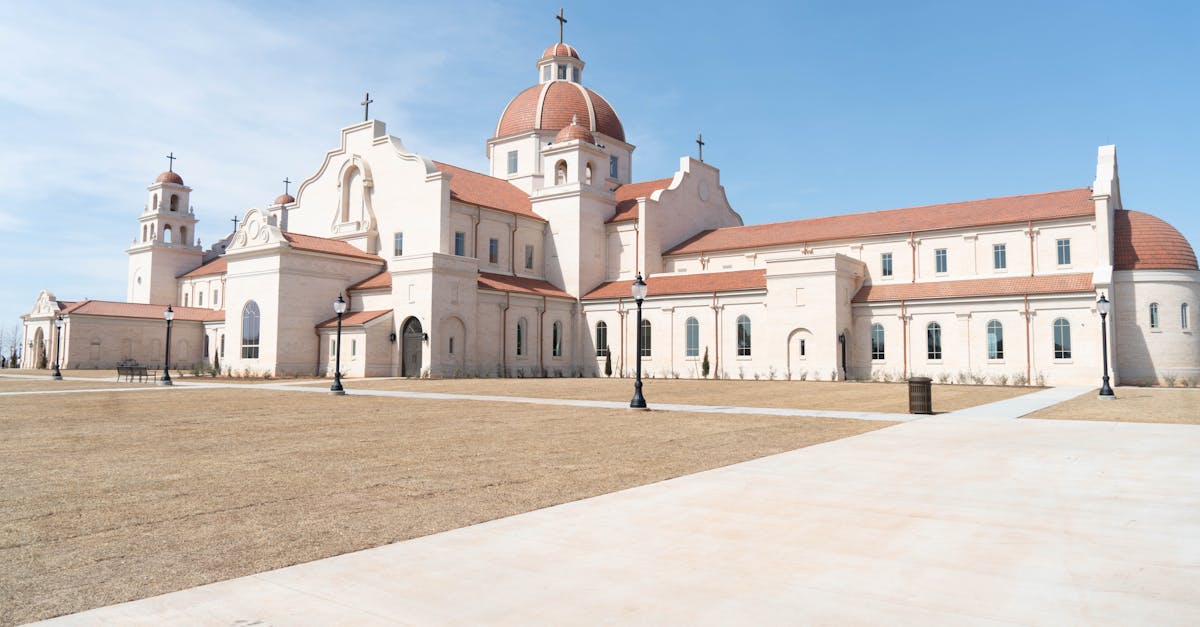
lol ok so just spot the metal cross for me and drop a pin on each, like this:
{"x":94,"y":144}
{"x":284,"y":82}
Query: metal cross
{"x":171,"y":161}
{"x":235,"y":221}
{"x":286,"y":182}
{"x":700,"y":143}
{"x":561,"y":21}
{"x":366,"y":103}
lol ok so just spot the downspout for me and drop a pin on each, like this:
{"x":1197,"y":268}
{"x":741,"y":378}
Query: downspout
{"x":912,"y":244}
{"x":716,"y":339}
{"x":904,"y":333}
{"x":1031,"y":246}
{"x":1028,"y":355}
{"x":542,"y":337}
{"x":504,"y":335}
{"x":475,"y":236}
{"x":512,"y":249}
{"x":637,"y":245}
{"x":621,"y":336}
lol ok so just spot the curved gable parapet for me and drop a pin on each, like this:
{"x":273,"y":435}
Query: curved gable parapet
{"x":255,"y":231}
{"x":1145,"y":242}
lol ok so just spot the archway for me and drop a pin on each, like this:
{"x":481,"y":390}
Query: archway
{"x":411,"y":346}
{"x":452,"y":343}
{"x":800,"y":364}
{"x":39,"y":350}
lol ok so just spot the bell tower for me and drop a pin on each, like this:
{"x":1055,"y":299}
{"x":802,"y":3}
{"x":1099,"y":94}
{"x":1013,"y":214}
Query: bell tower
{"x":164,"y":246}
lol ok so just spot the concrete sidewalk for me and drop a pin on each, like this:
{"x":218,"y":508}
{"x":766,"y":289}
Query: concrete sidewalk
{"x":938,"y":521}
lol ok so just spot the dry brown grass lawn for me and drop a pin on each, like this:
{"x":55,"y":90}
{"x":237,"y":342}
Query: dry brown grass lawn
{"x":108,"y":497}
{"x":12,"y":384}
{"x":844,"y":396}
{"x":1172,"y":405}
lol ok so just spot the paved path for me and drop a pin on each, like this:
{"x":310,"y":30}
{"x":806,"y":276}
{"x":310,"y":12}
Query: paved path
{"x":937,"y":521}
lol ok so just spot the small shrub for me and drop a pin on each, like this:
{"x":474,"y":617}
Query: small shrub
{"x":771,"y":373}
{"x":1020,"y":379}
{"x":741,"y":373}
{"x":1191,"y":381}
{"x":978,"y":379}
{"x":704,"y":366}
{"x":943,"y":377}
{"x":1041,"y":380}
{"x":1169,"y":379}
{"x":608,"y":363}
{"x":804,"y":375}
{"x":886,"y":376}
{"x":1000,"y":379}
{"x":961,"y":378}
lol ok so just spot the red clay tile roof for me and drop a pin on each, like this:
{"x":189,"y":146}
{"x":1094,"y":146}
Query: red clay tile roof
{"x":373,"y":282}
{"x":1007,"y":286}
{"x":169,"y":177}
{"x":560,"y":50}
{"x":329,"y":246}
{"x":562,"y":101}
{"x":284,"y":199}
{"x":668,"y":284}
{"x":519,"y":285}
{"x":216,"y":266}
{"x":487,"y":191}
{"x":141,"y":310}
{"x":574,"y":131}
{"x":1142,"y":242}
{"x":1005,"y":210}
{"x":627,"y":195}
{"x":354,"y":318}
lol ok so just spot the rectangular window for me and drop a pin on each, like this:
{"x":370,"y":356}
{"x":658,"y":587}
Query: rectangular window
{"x":451,"y":345}
{"x":460,"y":243}
{"x":803,"y":349}
{"x":222,"y":345}
{"x":877,"y":345}
{"x":216,"y":297}
{"x":528,"y":256}
{"x":562,"y":72}
{"x":398,"y":244}
{"x":999,"y":257}
{"x":205,"y":345}
{"x":1064,"y":252}
{"x":939,"y":260}
{"x":512,"y":162}
{"x":933,"y":342}
{"x":353,"y":348}
{"x":200,"y":299}
{"x":885,"y":262}
{"x":575,"y":74}
{"x":493,"y":250}
{"x":612,"y":167}
{"x":545,"y":73}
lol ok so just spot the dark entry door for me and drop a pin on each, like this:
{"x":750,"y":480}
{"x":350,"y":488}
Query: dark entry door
{"x":410,"y":363}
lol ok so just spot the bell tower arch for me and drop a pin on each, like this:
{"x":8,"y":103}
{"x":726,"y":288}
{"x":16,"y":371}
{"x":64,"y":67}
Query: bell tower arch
{"x":164,"y":244}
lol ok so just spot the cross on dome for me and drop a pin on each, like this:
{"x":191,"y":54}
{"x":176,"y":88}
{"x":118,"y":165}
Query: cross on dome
{"x":561,"y":22}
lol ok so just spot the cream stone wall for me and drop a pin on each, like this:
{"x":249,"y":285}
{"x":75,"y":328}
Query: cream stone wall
{"x":1144,"y":355}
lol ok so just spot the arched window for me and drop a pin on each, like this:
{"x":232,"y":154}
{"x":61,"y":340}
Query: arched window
{"x":1183,"y":316}
{"x":1153,"y":315}
{"x":153,"y":232}
{"x":352,"y":194}
{"x":877,"y":348}
{"x":1062,"y":339}
{"x":200,"y":298}
{"x":601,"y":339}
{"x":183,"y":235}
{"x":145,"y":232}
{"x":995,"y":340}
{"x":560,"y":173}
{"x":556,"y":340}
{"x":645,"y":338}
{"x":174,"y":202}
{"x":250,"y":331}
{"x":933,"y":341}
{"x":167,"y":234}
{"x":216,"y":297}
{"x":185,"y":300}
{"x":691,"y":330}
{"x":520,"y":337}
{"x":743,"y":336}
{"x":587,"y":173}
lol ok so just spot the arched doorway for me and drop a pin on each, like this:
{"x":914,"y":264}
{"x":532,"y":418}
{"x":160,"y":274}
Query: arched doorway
{"x":39,"y":350}
{"x":410,"y":350}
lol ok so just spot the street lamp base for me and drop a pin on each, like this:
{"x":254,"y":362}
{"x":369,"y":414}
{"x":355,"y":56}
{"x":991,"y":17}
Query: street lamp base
{"x":338,"y":392}
{"x":166,"y":382}
{"x":56,"y":377}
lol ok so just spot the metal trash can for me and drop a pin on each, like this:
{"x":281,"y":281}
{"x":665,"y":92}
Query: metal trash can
{"x":920,"y":395}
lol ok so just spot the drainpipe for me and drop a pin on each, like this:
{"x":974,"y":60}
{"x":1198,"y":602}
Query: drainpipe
{"x":716,"y":338}
{"x":542,"y":337}
{"x":621,"y":336}
{"x":1028,"y":355}
{"x":504,"y":335}
{"x":475,"y":237}
{"x":912,"y":244}
{"x":904,"y":332}
{"x":1030,"y":232}
{"x":512,"y":249}
{"x":637,"y":245}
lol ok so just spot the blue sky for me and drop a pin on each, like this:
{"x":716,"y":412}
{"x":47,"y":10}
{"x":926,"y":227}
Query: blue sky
{"x":808,"y":108}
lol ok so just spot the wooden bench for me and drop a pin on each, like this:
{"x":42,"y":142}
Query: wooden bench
{"x":131,"y":371}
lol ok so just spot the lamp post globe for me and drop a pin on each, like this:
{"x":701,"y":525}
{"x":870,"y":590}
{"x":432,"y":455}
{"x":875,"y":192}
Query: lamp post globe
{"x":168,"y":315}
{"x":639,"y":294}
{"x":1104,"y":306}
{"x":339,"y":307}
{"x":58,"y":325}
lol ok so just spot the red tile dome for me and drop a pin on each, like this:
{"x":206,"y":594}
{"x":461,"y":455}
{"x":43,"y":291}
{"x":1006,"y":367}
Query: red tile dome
{"x":550,"y":107}
{"x":574,"y":131}
{"x":284,"y":199}
{"x":169,"y":177}
{"x":561,"y":50}
{"x":1144,"y":242}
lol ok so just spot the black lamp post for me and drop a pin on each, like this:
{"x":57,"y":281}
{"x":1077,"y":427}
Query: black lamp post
{"x":169,"y":315}
{"x":339,"y":307}
{"x":639,"y":294}
{"x":1104,"y":306}
{"x":58,"y":325}
{"x":842,"y":345}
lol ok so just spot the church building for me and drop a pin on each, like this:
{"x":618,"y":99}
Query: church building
{"x":526,"y":270}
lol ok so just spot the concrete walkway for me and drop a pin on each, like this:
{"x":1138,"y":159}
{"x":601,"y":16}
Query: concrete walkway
{"x":945,"y":520}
